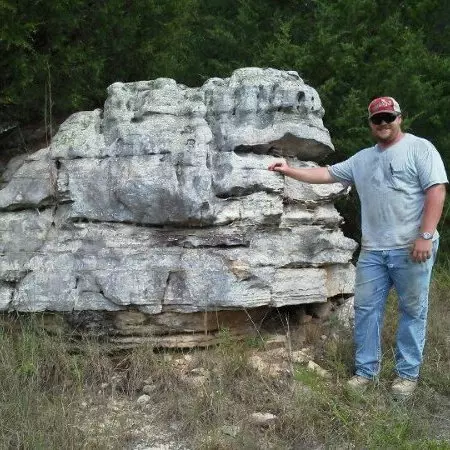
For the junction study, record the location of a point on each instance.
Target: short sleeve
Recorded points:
(430, 168)
(343, 171)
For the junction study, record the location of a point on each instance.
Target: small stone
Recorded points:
(184, 362)
(143, 399)
(200, 371)
(263, 419)
(346, 313)
(230, 430)
(149, 389)
(272, 368)
(274, 341)
(319, 370)
(257, 363)
(276, 353)
(196, 381)
(300, 356)
(324, 337)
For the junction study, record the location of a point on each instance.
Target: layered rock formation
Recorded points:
(161, 204)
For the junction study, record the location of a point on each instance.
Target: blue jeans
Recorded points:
(376, 273)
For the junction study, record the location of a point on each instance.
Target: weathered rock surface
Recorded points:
(162, 203)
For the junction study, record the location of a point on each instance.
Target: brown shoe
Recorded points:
(358, 384)
(402, 388)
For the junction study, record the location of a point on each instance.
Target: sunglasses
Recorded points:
(383, 117)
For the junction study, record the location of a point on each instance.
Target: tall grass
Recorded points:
(436, 368)
(52, 397)
(41, 384)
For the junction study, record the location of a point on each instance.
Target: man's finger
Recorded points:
(419, 257)
(274, 165)
(423, 256)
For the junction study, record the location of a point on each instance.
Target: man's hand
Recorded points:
(422, 250)
(314, 175)
(279, 166)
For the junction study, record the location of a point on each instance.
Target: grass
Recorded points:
(52, 397)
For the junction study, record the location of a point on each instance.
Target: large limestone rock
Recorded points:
(161, 203)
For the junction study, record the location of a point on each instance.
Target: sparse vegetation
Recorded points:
(54, 397)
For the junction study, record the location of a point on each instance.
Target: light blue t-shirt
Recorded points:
(391, 185)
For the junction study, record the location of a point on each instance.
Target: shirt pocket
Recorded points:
(400, 179)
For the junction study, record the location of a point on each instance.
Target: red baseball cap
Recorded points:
(384, 105)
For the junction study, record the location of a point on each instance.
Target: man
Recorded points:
(401, 185)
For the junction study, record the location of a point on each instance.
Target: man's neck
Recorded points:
(385, 144)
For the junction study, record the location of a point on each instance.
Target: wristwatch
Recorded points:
(425, 235)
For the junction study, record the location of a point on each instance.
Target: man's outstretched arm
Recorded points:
(313, 175)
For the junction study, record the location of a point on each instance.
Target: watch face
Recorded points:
(427, 235)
